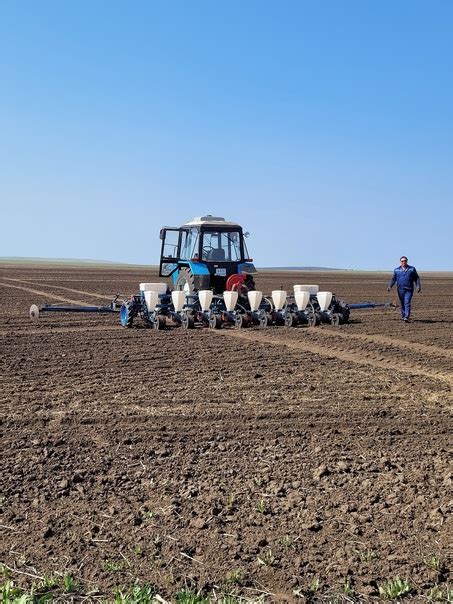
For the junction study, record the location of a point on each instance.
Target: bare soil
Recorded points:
(283, 462)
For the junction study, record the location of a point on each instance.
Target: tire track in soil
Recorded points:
(321, 350)
(48, 331)
(52, 286)
(414, 346)
(41, 293)
(350, 357)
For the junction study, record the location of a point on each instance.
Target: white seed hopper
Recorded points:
(324, 300)
(151, 299)
(302, 298)
(312, 289)
(160, 288)
(279, 298)
(230, 298)
(255, 298)
(205, 298)
(178, 298)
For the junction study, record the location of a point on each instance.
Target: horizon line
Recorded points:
(114, 263)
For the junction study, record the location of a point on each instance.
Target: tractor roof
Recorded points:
(210, 220)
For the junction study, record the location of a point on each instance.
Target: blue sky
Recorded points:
(326, 129)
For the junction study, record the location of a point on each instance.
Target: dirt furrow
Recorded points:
(48, 331)
(352, 357)
(41, 293)
(67, 289)
(394, 342)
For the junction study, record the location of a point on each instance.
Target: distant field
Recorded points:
(63, 262)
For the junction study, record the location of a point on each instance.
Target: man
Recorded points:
(405, 277)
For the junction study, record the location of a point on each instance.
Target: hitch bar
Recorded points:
(360, 305)
(35, 311)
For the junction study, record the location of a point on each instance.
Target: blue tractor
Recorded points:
(207, 252)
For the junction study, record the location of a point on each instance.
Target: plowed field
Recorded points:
(281, 464)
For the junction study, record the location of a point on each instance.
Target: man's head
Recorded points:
(403, 260)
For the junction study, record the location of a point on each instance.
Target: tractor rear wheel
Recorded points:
(188, 282)
(127, 314)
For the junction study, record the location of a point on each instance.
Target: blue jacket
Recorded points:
(405, 280)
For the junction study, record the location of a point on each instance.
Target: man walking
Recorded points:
(405, 277)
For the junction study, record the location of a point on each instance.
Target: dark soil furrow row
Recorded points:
(58, 287)
(369, 358)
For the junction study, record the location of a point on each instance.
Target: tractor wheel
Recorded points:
(215, 322)
(127, 314)
(188, 282)
(250, 283)
(187, 321)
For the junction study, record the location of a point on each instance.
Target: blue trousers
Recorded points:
(405, 296)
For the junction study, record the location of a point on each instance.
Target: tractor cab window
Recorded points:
(170, 243)
(169, 251)
(189, 244)
(221, 246)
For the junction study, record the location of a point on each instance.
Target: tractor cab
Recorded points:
(204, 253)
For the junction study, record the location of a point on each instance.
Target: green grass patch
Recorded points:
(390, 590)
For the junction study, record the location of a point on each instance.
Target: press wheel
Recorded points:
(215, 322)
(264, 321)
(289, 319)
(187, 321)
(160, 322)
(238, 321)
(336, 318)
(312, 318)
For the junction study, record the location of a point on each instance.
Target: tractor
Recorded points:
(213, 285)
(206, 253)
